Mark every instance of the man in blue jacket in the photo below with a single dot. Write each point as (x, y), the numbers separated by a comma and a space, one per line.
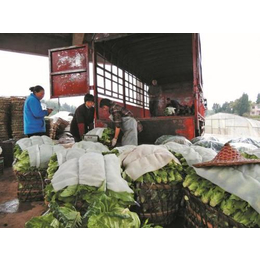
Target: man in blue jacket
(34, 123)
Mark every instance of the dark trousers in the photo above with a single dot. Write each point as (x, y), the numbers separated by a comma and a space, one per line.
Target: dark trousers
(153, 107)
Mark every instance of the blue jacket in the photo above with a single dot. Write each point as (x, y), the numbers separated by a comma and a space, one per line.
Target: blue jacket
(33, 118)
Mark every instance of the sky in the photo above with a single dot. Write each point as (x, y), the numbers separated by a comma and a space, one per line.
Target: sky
(230, 67)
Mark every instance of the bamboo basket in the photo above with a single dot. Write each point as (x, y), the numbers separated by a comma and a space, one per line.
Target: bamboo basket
(31, 185)
(200, 215)
(158, 202)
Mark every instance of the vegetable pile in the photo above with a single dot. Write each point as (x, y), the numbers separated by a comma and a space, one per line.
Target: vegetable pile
(231, 205)
(158, 193)
(52, 166)
(107, 136)
(87, 206)
(17, 151)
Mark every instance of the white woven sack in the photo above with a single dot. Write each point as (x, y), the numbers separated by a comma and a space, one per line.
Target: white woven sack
(47, 140)
(36, 140)
(207, 154)
(187, 152)
(24, 143)
(61, 156)
(124, 151)
(34, 155)
(66, 175)
(74, 153)
(46, 151)
(114, 179)
(92, 169)
(146, 158)
(33, 140)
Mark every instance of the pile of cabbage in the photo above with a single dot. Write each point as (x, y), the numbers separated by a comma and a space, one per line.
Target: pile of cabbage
(211, 194)
(26, 142)
(96, 198)
(35, 158)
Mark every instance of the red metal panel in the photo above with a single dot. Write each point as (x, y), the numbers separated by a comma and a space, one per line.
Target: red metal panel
(155, 127)
(69, 71)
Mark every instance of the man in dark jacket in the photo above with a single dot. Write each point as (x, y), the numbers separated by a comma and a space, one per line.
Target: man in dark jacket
(83, 119)
(174, 103)
(154, 93)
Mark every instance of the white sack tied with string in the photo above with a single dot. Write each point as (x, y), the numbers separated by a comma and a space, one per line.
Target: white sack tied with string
(114, 179)
(89, 146)
(146, 158)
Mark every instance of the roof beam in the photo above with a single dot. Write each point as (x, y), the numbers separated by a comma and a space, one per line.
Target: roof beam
(77, 38)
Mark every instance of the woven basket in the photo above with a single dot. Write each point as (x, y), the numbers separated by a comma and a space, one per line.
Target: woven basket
(200, 215)
(31, 185)
(227, 156)
(158, 202)
(17, 104)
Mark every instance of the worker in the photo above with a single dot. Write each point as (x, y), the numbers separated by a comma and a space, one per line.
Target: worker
(179, 109)
(124, 120)
(33, 114)
(175, 104)
(83, 118)
(154, 92)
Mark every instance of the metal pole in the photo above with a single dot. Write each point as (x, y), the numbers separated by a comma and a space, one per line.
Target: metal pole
(124, 101)
(195, 80)
(94, 59)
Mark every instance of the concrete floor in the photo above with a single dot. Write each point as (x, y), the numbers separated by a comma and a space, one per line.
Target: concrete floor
(13, 213)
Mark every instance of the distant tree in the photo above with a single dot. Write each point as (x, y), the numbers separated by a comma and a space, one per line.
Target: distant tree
(216, 107)
(226, 108)
(242, 105)
(258, 99)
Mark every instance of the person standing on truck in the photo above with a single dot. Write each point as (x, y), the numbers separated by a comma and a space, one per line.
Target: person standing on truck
(124, 120)
(83, 118)
(154, 92)
(175, 104)
(33, 114)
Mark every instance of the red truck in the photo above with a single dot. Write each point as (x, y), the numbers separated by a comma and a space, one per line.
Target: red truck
(121, 67)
